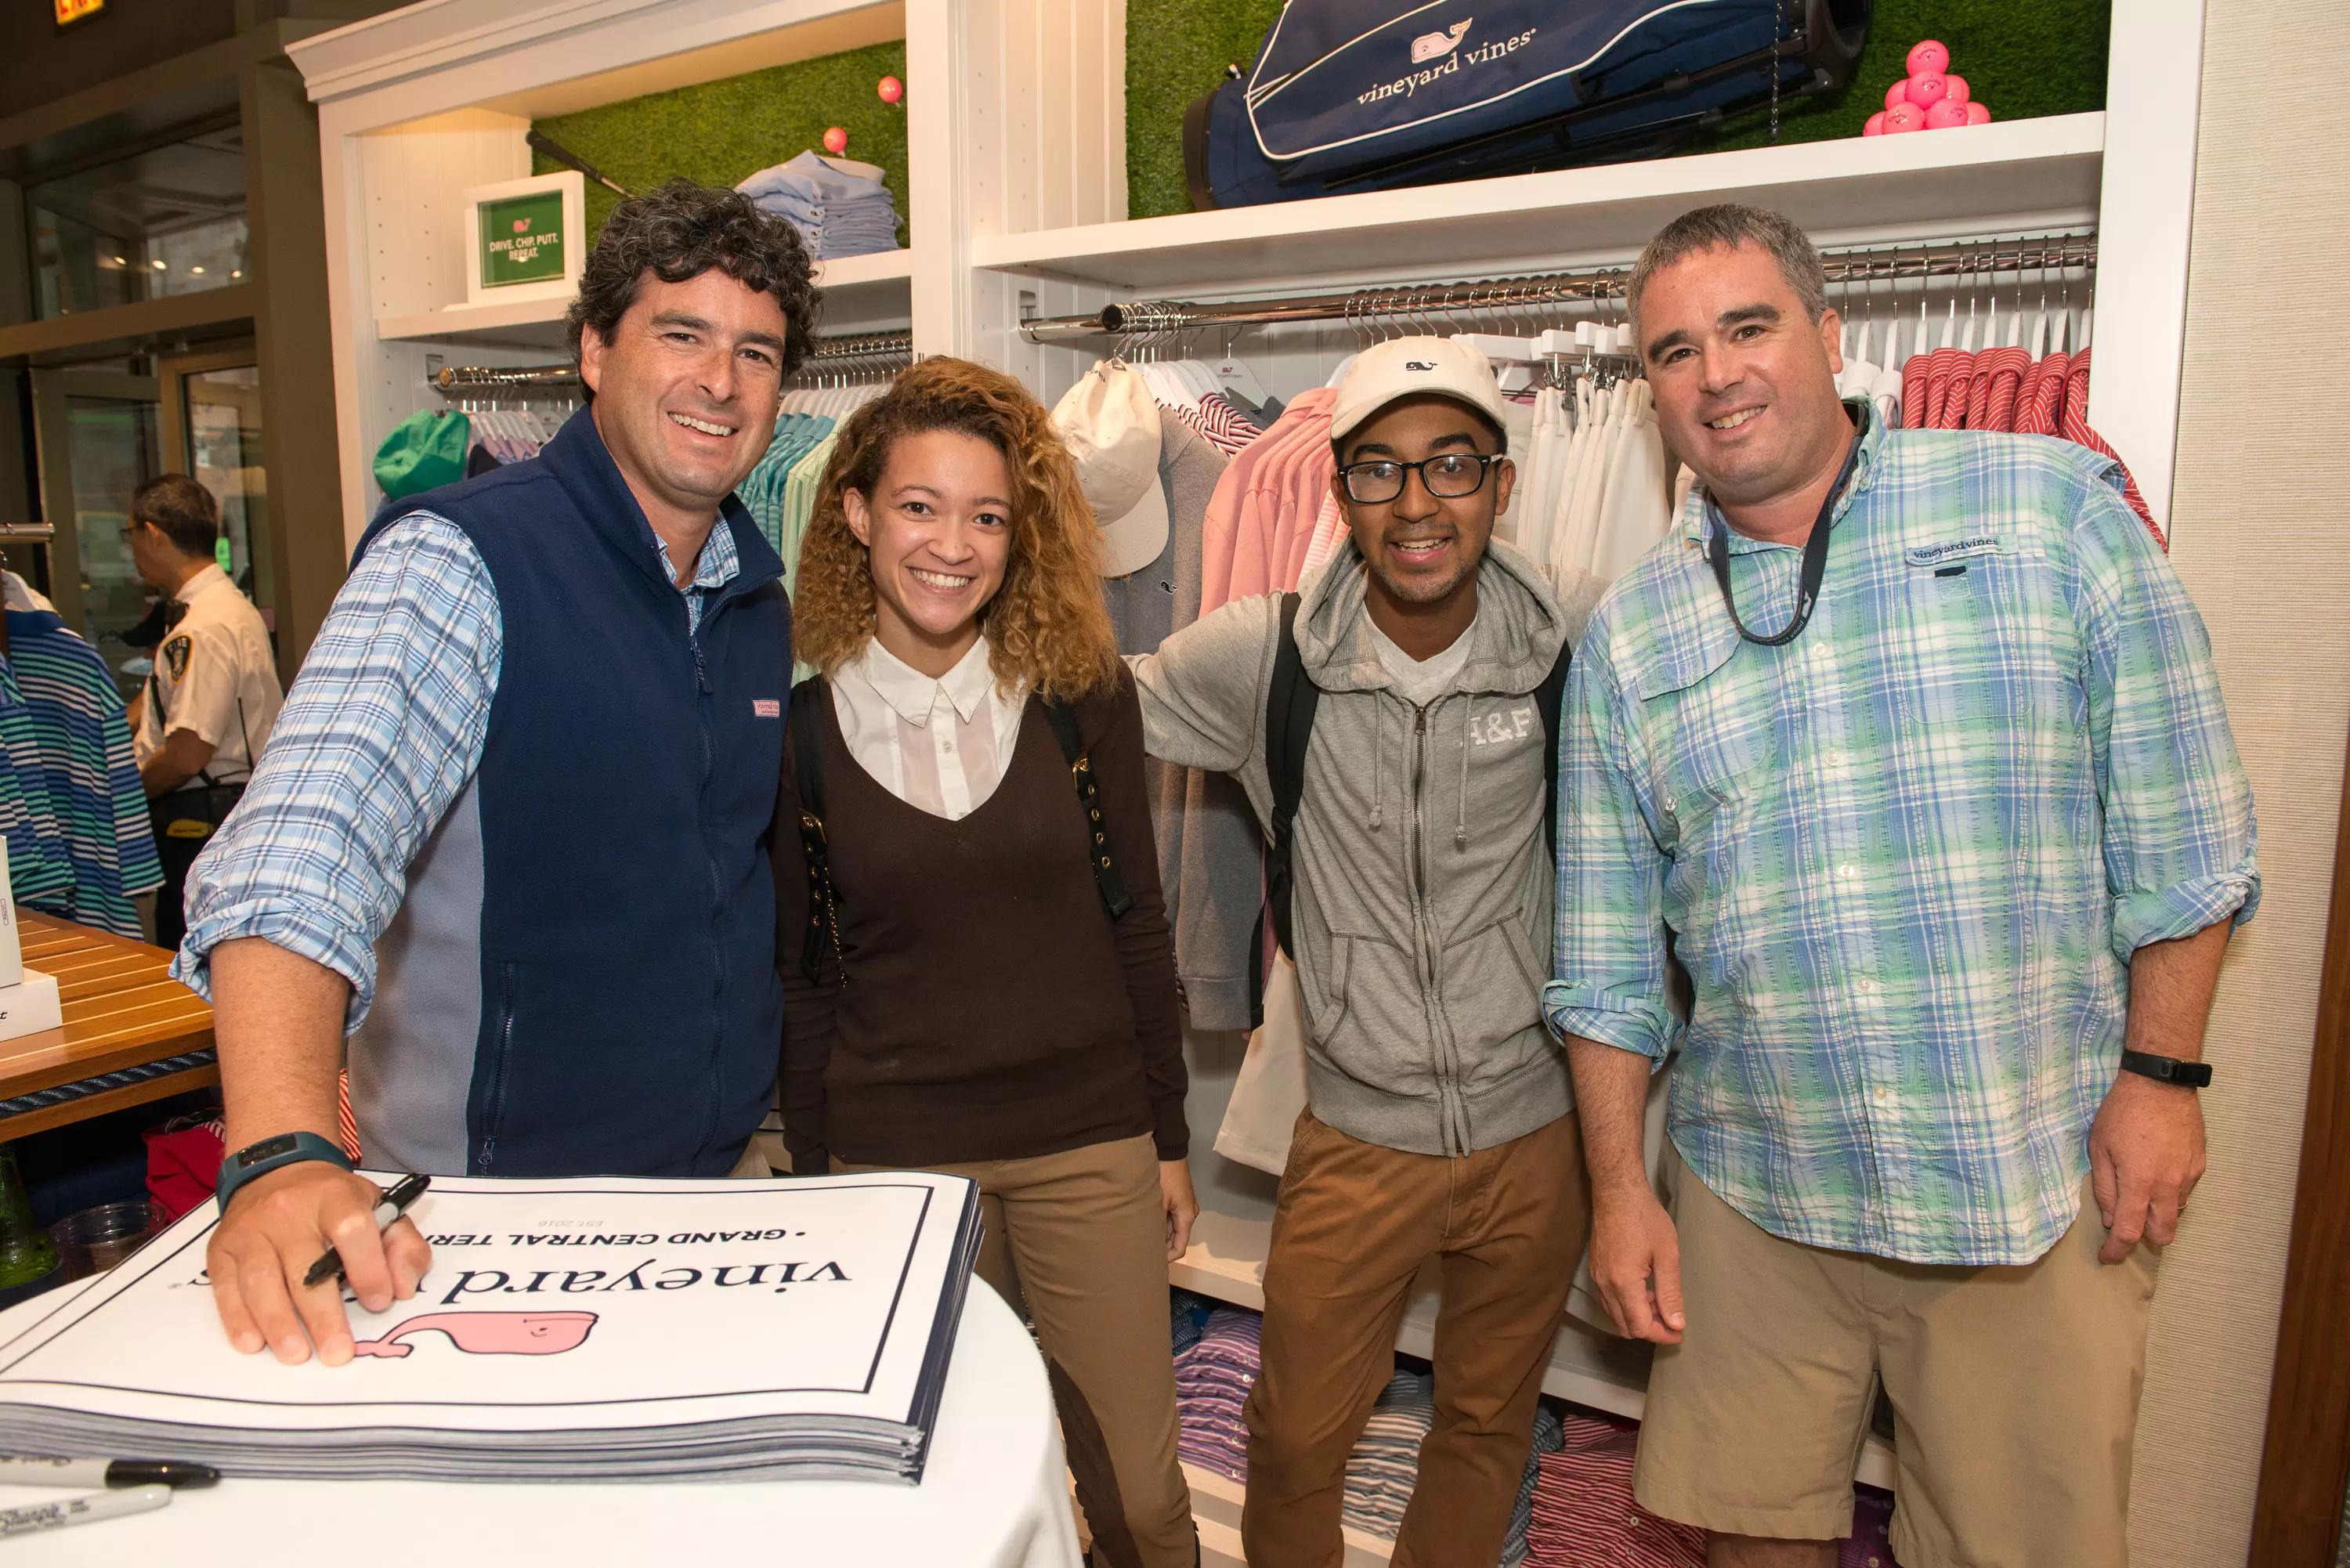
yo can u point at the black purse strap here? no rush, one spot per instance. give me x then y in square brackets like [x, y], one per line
[811, 706]
[1099, 852]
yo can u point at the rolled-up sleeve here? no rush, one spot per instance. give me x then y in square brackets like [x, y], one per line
[2180, 838]
[383, 728]
[1608, 956]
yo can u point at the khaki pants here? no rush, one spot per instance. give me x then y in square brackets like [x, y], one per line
[1353, 1224]
[2014, 1392]
[1082, 1236]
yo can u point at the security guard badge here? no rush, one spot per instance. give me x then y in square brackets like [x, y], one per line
[175, 657]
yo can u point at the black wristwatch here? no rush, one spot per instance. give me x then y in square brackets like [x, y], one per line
[2168, 1069]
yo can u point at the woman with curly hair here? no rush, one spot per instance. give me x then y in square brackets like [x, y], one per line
[977, 970]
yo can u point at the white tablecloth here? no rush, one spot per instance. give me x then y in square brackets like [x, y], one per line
[994, 1495]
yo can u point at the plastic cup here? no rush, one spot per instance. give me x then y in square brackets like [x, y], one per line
[95, 1239]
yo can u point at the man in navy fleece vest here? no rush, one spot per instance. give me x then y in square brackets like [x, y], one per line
[510, 831]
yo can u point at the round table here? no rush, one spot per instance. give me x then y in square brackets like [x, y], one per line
[993, 1495]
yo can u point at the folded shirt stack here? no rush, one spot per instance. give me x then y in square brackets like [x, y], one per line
[1386, 1461]
[839, 206]
[1212, 1380]
[1187, 1317]
[1584, 1515]
[1869, 1545]
[1550, 1432]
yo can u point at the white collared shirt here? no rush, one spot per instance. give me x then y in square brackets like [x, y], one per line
[940, 745]
[215, 675]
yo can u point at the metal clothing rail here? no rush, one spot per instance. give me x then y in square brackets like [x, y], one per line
[1863, 265]
[829, 354]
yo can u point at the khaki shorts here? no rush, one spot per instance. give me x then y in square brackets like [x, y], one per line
[2014, 1392]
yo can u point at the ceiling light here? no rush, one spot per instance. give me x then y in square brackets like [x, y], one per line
[158, 265]
[197, 270]
[238, 273]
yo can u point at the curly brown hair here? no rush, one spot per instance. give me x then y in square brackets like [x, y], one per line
[681, 231]
[1047, 626]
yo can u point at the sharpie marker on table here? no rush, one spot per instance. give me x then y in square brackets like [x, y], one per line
[113, 1474]
[404, 1191]
[86, 1510]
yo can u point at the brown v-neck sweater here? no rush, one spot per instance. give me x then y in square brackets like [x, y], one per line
[993, 1011]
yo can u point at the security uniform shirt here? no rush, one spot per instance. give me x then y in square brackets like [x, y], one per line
[214, 676]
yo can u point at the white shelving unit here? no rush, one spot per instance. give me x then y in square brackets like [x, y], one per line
[1017, 204]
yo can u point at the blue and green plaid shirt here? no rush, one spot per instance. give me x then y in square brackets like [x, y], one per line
[1905, 857]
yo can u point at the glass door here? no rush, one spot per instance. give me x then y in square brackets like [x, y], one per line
[214, 403]
[99, 438]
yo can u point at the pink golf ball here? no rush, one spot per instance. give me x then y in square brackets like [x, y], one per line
[1926, 91]
[1898, 94]
[1977, 114]
[1955, 89]
[1929, 57]
[1875, 126]
[1946, 115]
[835, 140]
[891, 90]
[1904, 117]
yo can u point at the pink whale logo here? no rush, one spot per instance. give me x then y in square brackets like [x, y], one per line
[491, 1333]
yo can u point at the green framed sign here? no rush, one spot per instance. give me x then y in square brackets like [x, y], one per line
[526, 239]
[522, 239]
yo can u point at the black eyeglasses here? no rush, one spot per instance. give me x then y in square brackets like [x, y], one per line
[1447, 476]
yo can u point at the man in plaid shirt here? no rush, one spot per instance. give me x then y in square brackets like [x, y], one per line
[1913, 742]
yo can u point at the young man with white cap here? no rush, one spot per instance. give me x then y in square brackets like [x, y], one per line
[1404, 779]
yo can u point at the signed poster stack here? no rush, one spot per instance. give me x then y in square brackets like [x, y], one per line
[599, 1329]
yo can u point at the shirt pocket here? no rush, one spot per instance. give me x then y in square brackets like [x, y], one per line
[1711, 722]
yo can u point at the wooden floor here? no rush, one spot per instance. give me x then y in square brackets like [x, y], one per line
[121, 1010]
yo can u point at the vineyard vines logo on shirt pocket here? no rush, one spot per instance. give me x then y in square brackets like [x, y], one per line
[766, 708]
[1498, 728]
[1955, 551]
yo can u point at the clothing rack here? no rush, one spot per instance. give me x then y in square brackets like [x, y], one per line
[1435, 304]
[863, 350]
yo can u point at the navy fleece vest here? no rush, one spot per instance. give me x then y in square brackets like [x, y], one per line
[586, 946]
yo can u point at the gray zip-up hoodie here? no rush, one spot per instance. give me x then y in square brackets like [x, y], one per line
[1424, 877]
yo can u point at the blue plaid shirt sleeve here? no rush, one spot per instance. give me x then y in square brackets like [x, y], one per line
[2179, 835]
[383, 728]
[1608, 956]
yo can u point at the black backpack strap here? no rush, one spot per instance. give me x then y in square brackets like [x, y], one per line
[1099, 853]
[811, 704]
[1289, 706]
[1548, 696]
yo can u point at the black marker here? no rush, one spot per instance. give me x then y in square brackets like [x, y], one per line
[113, 1474]
[407, 1191]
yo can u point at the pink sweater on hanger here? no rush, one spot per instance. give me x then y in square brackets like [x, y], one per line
[1246, 546]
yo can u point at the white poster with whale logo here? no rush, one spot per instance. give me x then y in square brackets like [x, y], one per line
[599, 1326]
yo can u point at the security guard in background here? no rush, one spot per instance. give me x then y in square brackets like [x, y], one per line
[207, 707]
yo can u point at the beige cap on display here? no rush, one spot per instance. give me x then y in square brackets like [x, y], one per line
[1110, 423]
[1407, 367]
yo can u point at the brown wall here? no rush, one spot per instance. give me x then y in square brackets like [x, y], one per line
[39, 64]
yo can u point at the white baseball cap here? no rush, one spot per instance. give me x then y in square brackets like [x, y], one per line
[1109, 423]
[1407, 367]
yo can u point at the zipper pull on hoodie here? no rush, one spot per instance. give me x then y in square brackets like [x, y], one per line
[1460, 802]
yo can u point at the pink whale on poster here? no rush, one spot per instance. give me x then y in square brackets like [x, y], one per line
[491, 1333]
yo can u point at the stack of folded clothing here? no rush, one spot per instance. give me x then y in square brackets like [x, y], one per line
[1549, 1434]
[1386, 1461]
[1584, 1515]
[1869, 1544]
[840, 206]
[1212, 1380]
[1187, 1317]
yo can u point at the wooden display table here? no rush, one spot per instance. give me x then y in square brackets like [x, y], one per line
[123, 1013]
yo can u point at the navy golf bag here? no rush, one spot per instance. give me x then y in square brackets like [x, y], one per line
[1370, 95]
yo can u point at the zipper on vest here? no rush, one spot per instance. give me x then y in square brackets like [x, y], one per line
[494, 1099]
[701, 700]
